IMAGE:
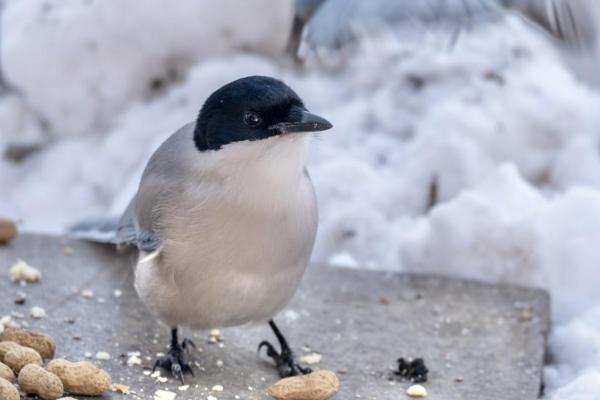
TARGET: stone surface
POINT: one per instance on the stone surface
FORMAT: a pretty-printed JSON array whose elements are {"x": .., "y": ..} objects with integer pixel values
[{"x": 478, "y": 340}]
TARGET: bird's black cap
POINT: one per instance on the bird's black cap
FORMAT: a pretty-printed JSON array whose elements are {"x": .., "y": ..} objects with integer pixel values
[{"x": 252, "y": 108}]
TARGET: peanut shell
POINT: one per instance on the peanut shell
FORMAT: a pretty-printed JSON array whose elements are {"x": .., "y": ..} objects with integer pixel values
[
  {"x": 319, "y": 385},
  {"x": 18, "y": 357},
  {"x": 6, "y": 373},
  {"x": 8, "y": 391},
  {"x": 40, "y": 342},
  {"x": 81, "y": 377},
  {"x": 34, "y": 379}
]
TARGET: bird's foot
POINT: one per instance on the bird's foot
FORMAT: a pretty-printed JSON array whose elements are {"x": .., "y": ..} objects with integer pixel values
[
  {"x": 177, "y": 360},
  {"x": 285, "y": 361}
]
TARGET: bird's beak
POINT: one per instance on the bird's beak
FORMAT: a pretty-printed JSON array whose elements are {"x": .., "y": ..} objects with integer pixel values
[{"x": 308, "y": 123}]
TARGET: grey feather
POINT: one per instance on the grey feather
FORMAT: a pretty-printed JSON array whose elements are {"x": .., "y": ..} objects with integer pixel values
[
  {"x": 126, "y": 233},
  {"x": 141, "y": 222},
  {"x": 129, "y": 232}
]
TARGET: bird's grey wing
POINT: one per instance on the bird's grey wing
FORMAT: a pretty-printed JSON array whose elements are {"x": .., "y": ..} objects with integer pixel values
[
  {"x": 163, "y": 176},
  {"x": 130, "y": 233},
  {"x": 147, "y": 212},
  {"x": 126, "y": 228}
]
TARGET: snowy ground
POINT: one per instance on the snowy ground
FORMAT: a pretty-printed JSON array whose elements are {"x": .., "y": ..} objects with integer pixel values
[{"x": 500, "y": 123}]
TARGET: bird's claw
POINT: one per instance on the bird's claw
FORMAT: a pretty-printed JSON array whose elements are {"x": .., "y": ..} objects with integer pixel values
[
  {"x": 188, "y": 343},
  {"x": 285, "y": 361},
  {"x": 177, "y": 360}
]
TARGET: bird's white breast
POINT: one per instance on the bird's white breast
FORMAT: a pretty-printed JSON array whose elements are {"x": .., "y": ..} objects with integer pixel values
[{"x": 237, "y": 240}]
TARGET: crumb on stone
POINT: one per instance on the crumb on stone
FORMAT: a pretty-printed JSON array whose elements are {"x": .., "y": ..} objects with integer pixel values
[
  {"x": 23, "y": 272},
  {"x": 38, "y": 312},
  {"x": 134, "y": 359},
  {"x": 120, "y": 388},
  {"x": 102, "y": 356},
  {"x": 164, "y": 395},
  {"x": 416, "y": 391},
  {"x": 215, "y": 336},
  {"x": 7, "y": 322},
  {"x": 311, "y": 359}
]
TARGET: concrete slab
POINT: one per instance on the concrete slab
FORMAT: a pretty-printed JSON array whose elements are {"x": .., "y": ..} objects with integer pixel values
[{"x": 479, "y": 341}]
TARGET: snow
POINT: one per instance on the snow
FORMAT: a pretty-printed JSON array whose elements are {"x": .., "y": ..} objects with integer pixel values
[
  {"x": 73, "y": 59},
  {"x": 499, "y": 124}
]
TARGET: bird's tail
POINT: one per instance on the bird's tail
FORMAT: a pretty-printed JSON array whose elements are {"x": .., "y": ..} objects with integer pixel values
[{"x": 101, "y": 229}]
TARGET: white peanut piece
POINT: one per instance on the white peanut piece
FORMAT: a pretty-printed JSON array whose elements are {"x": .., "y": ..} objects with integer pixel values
[
  {"x": 34, "y": 379},
  {"x": 82, "y": 378},
  {"x": 8, "y": 390},
  {"x": 17, "y": 356},
  {"x": 319, "y": 385},
  {"x": 41, "y": 343}
]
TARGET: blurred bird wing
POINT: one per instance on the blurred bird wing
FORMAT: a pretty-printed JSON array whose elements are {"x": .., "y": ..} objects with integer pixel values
[
  {"x": 333, "y": 23},
  {"x": 570, "y": 20}
]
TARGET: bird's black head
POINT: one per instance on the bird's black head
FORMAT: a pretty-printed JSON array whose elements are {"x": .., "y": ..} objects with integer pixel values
[{"x": 252, "y": 108}]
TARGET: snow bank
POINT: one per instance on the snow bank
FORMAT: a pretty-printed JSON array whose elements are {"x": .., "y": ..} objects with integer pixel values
[
  {"x": 450, "y": 117},
  {"x": 79, "y": 62},
  {"x": 504, "y": 230},
  {"x": 497, "y": 124}
]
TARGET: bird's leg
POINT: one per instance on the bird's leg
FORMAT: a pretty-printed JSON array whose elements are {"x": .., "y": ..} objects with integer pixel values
[
  {"x": 284, "y": 360},
  {"x": 177, "y": 359}
]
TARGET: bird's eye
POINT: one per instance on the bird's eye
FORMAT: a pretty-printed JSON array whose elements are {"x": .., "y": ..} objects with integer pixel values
[{"x": 252, "y": 119}]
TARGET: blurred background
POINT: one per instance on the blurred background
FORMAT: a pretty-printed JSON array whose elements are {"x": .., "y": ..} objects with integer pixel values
[{"x": 466, "y": 138}]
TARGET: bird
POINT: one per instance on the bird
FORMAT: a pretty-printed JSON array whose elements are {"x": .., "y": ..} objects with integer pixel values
[
  {"x": 331, "y": 23},
  {"x": 225, "y": 217}
]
